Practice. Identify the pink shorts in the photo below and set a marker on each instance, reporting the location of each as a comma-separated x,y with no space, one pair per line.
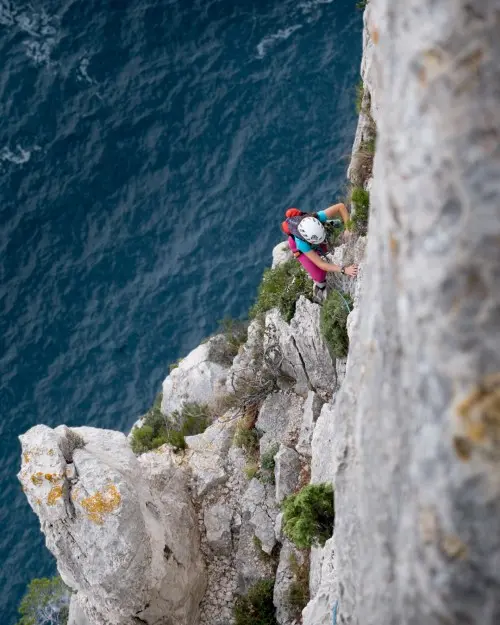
317,274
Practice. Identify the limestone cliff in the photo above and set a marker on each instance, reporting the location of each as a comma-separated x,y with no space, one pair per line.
406,428
413,436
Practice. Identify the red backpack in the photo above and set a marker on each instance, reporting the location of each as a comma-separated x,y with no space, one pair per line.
291,228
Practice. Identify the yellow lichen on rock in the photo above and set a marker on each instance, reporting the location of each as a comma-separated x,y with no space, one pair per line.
37,478
26,457
54,495
102,503
53,478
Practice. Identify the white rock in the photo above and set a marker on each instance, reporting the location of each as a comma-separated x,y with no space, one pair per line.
279,419
217,520
247,362
319,610
197,378
77,615
286,471
285,614
281,253
278,524
303,354
125,545
207,454
312,409
260,510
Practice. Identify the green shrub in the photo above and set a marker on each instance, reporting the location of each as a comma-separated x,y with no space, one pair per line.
361,200
46,602
157,429
308,515
332,323
235,332
360,92
280,288
256,607
361,4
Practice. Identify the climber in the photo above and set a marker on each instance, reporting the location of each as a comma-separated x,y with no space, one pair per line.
306,239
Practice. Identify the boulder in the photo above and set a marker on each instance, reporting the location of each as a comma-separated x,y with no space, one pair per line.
281,254
123,541
286,472
217,520
198,378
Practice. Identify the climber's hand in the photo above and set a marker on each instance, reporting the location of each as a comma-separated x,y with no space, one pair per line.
346,235
352,270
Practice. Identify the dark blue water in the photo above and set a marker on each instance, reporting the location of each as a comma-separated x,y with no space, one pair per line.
147,154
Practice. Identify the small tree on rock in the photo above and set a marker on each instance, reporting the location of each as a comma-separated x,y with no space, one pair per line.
46,602
309,515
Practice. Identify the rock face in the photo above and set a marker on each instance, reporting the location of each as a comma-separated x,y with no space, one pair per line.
279,419
217,520
207,453
260,509
126,543
319,610
199,377
303,354
281,253
286,472
290,559
417,460
312,409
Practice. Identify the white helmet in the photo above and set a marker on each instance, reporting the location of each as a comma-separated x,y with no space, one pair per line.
311,230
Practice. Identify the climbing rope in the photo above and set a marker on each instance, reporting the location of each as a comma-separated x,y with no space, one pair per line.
334,613
343,298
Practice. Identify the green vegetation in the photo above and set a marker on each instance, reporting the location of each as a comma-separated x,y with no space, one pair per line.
360,92
157,429
46,602
361,200
334,233
281,287
235,333
369,145
225,343
308,515
298,596
251,470
361,4
247,437
267,465
333,319
256,607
